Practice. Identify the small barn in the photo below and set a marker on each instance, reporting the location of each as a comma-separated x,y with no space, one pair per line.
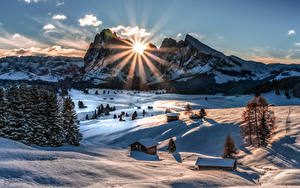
146,145
216,163
172,116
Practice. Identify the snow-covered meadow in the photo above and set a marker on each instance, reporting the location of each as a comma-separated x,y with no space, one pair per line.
103,158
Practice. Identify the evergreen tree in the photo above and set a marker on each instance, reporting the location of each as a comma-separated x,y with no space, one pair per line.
229,147
86,91
87,117
172,146
266,121
17,127
287,94
94,115
81,105
73,136
258,122
202,113
134,115
54,120
3,112
144,112
99,110
188,109
96,92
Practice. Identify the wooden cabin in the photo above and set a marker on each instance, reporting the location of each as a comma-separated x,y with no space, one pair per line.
146,145
216,163
172,116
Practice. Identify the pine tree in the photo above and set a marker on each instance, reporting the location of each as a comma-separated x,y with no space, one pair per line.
134,115
81,105
17,127
172,146
96,92
202,113
258,122
229,147
188,108
73,136
94,115
38,119
99,110
266,121
54,120
287,94
3,112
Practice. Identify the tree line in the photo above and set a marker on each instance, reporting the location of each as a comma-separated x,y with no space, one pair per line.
34,115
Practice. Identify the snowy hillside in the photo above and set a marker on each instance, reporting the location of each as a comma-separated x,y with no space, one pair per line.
49,69
103,158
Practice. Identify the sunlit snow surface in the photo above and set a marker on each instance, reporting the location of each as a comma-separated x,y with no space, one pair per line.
103,158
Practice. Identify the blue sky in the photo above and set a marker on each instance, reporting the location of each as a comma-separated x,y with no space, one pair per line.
262,30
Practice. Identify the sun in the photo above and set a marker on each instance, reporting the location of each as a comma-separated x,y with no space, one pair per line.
139,48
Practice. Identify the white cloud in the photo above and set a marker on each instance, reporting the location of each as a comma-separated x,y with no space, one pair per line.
60,4
297,44
29,1
130,31
49,27
89,20
291,32
59,17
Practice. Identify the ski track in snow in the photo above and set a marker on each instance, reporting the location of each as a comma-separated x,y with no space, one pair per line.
103,158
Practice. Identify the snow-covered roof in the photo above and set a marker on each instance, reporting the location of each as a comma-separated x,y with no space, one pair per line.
172,114
148,142
219,162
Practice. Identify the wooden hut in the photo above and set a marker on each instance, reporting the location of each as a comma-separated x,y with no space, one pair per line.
172,116
146,145
216,163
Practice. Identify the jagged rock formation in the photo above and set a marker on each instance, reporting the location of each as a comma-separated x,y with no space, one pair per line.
185,66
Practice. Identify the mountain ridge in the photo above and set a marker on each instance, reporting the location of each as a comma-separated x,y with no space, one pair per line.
180,66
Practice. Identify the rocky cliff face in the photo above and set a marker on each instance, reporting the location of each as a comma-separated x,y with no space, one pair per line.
184,66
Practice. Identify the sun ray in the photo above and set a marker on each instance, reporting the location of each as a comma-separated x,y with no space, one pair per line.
116,56
121,47
142,74
158,59
152,67
130,75
121,65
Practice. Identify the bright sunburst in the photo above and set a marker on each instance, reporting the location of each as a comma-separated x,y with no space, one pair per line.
139,48
136,52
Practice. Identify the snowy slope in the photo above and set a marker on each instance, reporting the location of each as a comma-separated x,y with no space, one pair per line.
103,158
49,69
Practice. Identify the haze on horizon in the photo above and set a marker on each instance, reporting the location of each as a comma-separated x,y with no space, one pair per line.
260,30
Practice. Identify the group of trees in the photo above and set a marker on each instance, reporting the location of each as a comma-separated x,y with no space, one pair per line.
258,122
101,110
33,115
